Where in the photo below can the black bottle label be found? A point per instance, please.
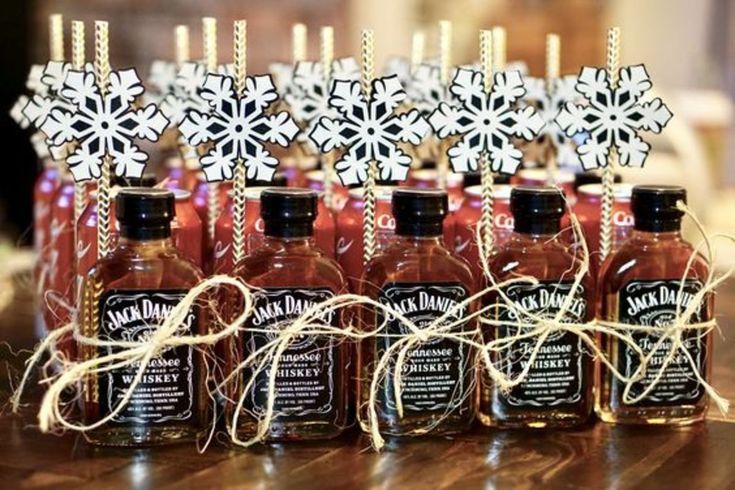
(654, 303)
(437, 375)
(167, 391)
(311, 367)
(561, 371)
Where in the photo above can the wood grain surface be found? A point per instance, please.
(597, 456)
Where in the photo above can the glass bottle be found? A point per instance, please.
(639, 285)
(125, 296)
(420, 277)
(293, 273)
(558, 389)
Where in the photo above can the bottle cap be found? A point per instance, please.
(279, 180)
(419, 212)
(537, 210)
(144, 213)
(147, 180)
(288, 212)
(654, 207)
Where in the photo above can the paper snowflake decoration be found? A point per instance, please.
(613, 117)
(309, 96)
(487, 125)
(183, 93)
(369, 130)
(161, 80)
(238, 127)
(400, 66)
(426, 91)
(103, 125)
(548, 103)
(282, 74)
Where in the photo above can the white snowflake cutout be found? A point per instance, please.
(487, 124)
(613, 117)
(49, 97)
(183, 93)
(161, 80)
(309, 97)
(548, 104)
(399, 66)
(103, 125)
(282, 74)
(238, 127)
(369, 130)
(426, 90)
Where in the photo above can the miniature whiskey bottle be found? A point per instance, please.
(641, 284)
(557, 391)
(293, 274)
(126, 296)
(423, 280)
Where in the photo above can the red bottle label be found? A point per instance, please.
(437, 374)
(307, 371)
(559, 374)
(166, 393)
(654, 303)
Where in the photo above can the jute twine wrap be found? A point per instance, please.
(326, 54)
(102, 76)
(209, 37)
(682, 324)
(608, 173)
(238, 198)
(367, 72)
(171, 333)
(530, 327)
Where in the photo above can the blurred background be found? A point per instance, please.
(688, 48)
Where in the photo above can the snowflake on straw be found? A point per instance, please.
(613, 117)
(162, 80)
(369, 130)
(103, 125)
(309, 97)
(548, 104)
(238, 127)
(426, 90)
(487, 124)
(183, 93)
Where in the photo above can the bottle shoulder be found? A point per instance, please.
(165, 269)
(651, 260)
(410, 265)
(310, 267)
(546, 260)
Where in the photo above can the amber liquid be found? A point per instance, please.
(412, 260)
(295, 263)
(548, 259)
(143, 265)
(646, 256)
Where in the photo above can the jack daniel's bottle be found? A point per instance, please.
(126, 296)
(558, 389)
(292, 274)
(640, 284)
(418, 276)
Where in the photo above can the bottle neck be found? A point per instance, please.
(658, 236)
(285, 229)
(419, 229)
(144, 245)
(658, 226)
(550, 225)
(289, 243)
(411, 241)
(137, 232)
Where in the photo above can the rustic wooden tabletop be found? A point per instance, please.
(598, 456)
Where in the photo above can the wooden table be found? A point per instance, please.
(598, 456)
